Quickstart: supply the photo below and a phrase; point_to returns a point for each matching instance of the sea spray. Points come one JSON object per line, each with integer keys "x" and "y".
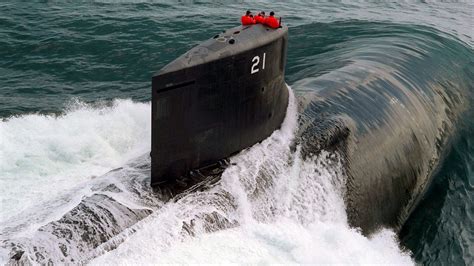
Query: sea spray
{"x": 43, "y": 156}
{"x": 184, "y": 232}
{"x": 269, "y": 207}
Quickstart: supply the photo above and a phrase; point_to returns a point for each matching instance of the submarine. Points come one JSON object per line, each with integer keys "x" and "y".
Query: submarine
{"x": 222, "y": 96}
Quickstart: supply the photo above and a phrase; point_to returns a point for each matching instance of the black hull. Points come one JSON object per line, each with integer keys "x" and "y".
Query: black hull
{"x": 216, "y": 100}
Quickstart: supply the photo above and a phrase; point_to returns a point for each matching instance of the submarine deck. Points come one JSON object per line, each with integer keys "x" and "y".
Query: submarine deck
{"x": 228, "y": 43}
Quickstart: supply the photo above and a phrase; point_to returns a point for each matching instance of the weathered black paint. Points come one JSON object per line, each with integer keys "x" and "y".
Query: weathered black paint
{"x": 207, "y": 105}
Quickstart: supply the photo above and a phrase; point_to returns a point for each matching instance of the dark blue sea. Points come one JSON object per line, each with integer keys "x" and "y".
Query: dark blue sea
{"x": 75, "y": 91}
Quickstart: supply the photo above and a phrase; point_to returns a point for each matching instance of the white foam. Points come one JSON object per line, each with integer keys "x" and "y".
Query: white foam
{"x": 281, "y": 242}
{"x": 42, "y": 156}
{"x": 271, "y": 206}
{"x": 277, "y": 208}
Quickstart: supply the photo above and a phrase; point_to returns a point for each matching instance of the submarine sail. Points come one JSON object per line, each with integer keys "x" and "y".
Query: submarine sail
{"x": 220, "y": 97}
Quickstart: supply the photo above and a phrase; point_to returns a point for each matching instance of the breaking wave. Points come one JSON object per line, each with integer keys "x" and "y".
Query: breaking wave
{"x": 43, "y": 155}
{"x": 269, "y": 198}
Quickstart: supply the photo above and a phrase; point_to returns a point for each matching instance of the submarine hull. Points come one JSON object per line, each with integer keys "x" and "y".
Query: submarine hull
{"x": 218, "y": 99}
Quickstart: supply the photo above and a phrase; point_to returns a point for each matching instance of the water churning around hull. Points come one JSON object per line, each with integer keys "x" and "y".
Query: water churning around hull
{"x": 389, "y": 99}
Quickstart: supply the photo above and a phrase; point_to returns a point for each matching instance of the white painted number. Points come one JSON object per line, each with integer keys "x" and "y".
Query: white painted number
{"x": 256, "y": 61}
{"x": 254, "y": 68}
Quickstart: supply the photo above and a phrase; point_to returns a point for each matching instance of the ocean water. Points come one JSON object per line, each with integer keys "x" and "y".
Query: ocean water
{"x": 75, "y": 104}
